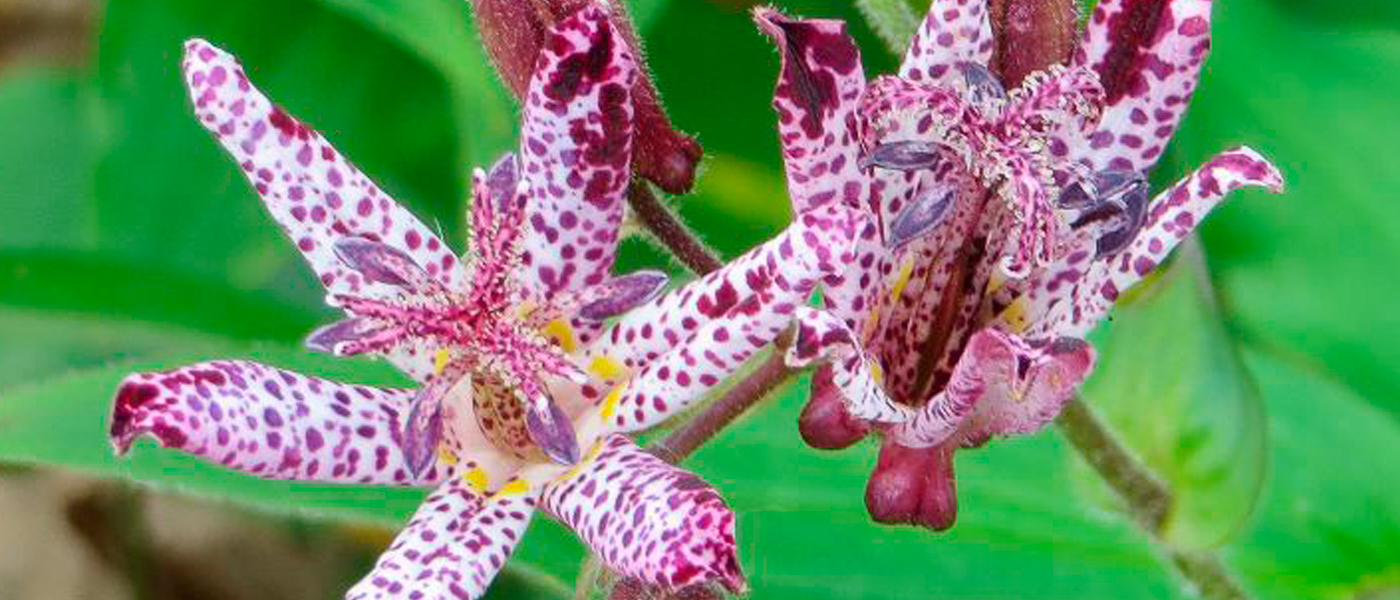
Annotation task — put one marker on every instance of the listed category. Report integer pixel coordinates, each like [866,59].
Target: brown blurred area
[65,536]
[69,537]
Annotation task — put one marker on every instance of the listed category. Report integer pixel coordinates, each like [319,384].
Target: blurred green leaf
[1171,383]
[47,156]
[165,191]
[1329,524]
[107,288]
[1305,274]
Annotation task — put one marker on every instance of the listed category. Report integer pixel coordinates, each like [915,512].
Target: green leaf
[1328,527]
[106,288]
[1306,274]
[166,193]
[1171,383]
[47,153]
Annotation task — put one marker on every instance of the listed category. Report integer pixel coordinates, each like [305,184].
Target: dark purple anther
[334,338]
[982,84]
[623,294]
[924,213]
[502,179]
[1120,198]
[1133,217]
[553,432]
[381,263]
[422,432]
[904,156]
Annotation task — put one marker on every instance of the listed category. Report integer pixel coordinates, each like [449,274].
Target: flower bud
[913,486]
[1031,35]
[825,424]
[512,31]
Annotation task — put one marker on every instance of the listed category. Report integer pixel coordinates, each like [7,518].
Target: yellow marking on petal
[477,478]
[1014,315]
[996,282]
[607,367]
[877,372]
[610,403]
[514,487]
[440,360]
[446,455]
[561,332]
[901,282]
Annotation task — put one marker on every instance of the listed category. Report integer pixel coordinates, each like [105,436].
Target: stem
[1148,498]
[686,439]
[893,20]
[672,232]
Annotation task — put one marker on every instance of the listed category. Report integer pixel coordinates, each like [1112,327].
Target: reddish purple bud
[512,31]
[1032,35]
[913,486]
[825,423]
[629,588]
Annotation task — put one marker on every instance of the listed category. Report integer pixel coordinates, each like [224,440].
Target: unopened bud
[1032,35]
[913,486]
[512,31]
[825,423]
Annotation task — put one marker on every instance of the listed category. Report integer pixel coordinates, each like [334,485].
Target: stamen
[624,293]
[905,156]
[382,263]
[552,431]
[924,213]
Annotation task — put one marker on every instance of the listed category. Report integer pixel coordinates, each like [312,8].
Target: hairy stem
[668,228]
[893,20]
[693,434]
[1148,499]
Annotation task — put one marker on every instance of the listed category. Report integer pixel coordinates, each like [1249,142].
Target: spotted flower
[999,226]
[525,390]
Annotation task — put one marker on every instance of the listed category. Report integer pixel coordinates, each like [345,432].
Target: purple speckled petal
[816,98]
[820,337]
[271,423]
[1148,56]
[314,193]
[1027,384]
[759,290]
[647,519]
[1002,385]
[309,188]
[452,548]
[575,151]
[953,31]
[1068,298]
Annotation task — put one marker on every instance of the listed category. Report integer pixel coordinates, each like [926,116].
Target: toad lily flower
[525,396]
[1000,227]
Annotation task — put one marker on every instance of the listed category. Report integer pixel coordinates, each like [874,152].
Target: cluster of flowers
[965,238]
